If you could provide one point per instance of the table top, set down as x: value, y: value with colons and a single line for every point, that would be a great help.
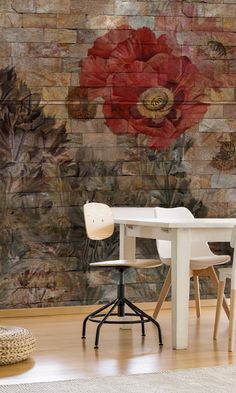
x: 177, y: 223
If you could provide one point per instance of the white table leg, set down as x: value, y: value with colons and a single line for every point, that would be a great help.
x: 127, y: 245
x: 127, y: 251
x: 180, y: 251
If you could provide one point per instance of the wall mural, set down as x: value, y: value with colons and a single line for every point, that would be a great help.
x: 142, y: 96
x: 147, y: 88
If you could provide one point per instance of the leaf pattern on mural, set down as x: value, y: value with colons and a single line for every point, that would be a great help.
x: 32, y: 209
x: 44, y: 249
x: 173, y: 186
x: 32, y: 152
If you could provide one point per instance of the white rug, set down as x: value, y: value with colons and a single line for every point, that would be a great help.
x: 221, y: 379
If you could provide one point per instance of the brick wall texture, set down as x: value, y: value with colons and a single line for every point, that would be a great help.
x: 127, y: 102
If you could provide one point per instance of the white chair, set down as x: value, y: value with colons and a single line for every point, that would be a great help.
x: 99, y: 223
x: 225, y: 273
x: 201, y: 264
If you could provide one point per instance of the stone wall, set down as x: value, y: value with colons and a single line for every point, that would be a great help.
x: 121, y: 101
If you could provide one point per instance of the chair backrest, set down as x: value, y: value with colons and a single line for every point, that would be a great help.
x: 164, y: 246
x: 133, y: 212
x: 233, y: 245
x: 99, y: 221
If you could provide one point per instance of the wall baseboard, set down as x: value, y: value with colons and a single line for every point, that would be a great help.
x: 66, y: 310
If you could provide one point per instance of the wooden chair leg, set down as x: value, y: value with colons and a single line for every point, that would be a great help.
x: 220, y: 296
x: 232, y: 319
x: 164, y: 291
x: 214, y: 279
x: 197, y: 294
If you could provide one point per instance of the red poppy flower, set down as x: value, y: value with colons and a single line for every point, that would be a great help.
x: 146, y: 88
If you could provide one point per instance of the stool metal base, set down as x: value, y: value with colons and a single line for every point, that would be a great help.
x: 99, y: 317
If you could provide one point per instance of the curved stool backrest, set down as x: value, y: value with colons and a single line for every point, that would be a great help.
x: 99, y: 221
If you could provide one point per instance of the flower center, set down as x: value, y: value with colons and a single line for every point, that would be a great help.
x: 155, y: 102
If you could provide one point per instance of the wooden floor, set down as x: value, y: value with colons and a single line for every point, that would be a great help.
x: 61, y: 354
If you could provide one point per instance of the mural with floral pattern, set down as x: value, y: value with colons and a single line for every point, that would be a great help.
x: 131, y: 109
x: 146, y: 87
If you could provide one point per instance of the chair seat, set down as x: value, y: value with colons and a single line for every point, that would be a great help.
x: 205, y: 262
x: 225, y: 273
x: 137, y: 263
x: 198, y: 263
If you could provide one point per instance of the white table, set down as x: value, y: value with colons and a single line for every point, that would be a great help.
x: 181, y: 233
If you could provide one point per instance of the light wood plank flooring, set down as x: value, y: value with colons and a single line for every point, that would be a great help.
x: 61, y: 354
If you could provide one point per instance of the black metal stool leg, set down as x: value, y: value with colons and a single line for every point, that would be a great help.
x: 101, y: 323
x: 93, y: 314
x: 143, y: 326
x: 131, y: 305
x: 140, y: 316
